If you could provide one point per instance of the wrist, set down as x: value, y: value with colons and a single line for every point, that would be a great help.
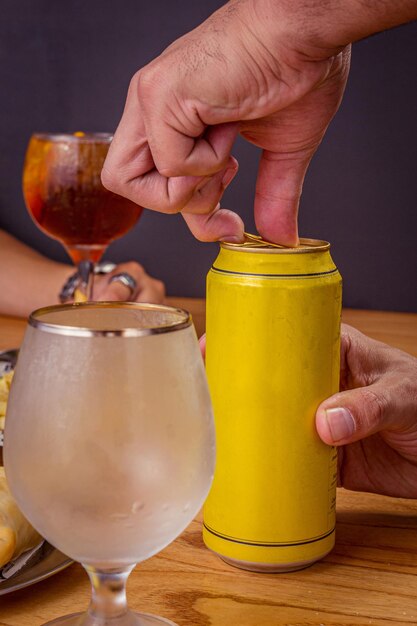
x: 291, y: 33
x: 73, y: 280
x: 324, y: 29
x: 58, y: 275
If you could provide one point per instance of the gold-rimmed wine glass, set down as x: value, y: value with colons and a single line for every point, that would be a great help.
x: 66, y: 199
x: 109, y: 440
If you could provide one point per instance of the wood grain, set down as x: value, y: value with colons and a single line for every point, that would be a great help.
x: 397, y: 329
x: 369, y: 578
x: 11, y: 332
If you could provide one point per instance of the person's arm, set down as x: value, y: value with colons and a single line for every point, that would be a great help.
x: 29, y: 280
x: 273, y: 70
x: 336, y: 23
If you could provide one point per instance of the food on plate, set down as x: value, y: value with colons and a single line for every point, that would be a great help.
x: 5, y: 382
x: 16, y: 534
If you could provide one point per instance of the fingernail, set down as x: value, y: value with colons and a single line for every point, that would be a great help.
x: 341, y: 423
x: 229, y: 176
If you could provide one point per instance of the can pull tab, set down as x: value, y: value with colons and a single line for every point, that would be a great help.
x: 256, y: 241
x: 260, y: 242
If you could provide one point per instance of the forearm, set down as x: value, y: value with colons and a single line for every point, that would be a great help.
x: 28, y: 280
x: 329, y: 25
x: 372, y: 16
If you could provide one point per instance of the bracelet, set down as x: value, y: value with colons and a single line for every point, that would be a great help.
x: 67, y: 292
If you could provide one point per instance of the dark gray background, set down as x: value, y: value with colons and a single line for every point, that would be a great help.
x: 66, y: 66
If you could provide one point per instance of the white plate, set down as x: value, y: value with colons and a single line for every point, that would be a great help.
x: 48, y: 561
x: 8, y: 360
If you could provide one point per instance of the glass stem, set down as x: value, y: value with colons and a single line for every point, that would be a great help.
x: 108, y: 600
x: 85, y: 289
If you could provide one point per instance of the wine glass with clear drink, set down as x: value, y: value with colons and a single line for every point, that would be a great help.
x: 66, y: 199
x: 109, y: 440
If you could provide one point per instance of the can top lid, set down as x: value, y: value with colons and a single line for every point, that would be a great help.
x: 255, y: 243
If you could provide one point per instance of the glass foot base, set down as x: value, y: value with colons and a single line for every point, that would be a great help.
x: 130, y: 619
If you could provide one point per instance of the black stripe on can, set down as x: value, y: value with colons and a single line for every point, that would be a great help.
x: 312, y: 275
x: 269, y: 544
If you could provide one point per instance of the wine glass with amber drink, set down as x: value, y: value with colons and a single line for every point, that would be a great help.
x: 66, y: 199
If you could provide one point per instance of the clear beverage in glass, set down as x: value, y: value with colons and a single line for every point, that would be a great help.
x: 109, y: 440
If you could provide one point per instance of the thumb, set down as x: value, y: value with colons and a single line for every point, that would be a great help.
x: 353, y: 415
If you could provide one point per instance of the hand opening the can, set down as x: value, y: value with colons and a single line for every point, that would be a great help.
x: 374, y: 417
x: 273, y: 70
x: 239, y: 71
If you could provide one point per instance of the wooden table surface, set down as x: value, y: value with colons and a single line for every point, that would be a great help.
x: 369, y: 578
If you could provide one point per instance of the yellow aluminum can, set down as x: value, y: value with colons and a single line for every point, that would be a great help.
x: 272, y: 356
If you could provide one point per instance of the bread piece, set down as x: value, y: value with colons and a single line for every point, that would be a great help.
x: 5, y: 382
x: 16, y: 534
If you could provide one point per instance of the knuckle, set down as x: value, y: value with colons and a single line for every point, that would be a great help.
x: 204, y: 237
x: 135, y: 268
x: 145, y: 81
x: 173, y: 208
x: 109, y: 179
x: 160, y: 287
x: 130, y: 266
x: 375, y: 407
x: 113, y: 292
x: 407, y: 381
x: 136, y: 81
x: 201, y: 232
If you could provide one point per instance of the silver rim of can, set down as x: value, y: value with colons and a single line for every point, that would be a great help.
x: 255, y: 243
